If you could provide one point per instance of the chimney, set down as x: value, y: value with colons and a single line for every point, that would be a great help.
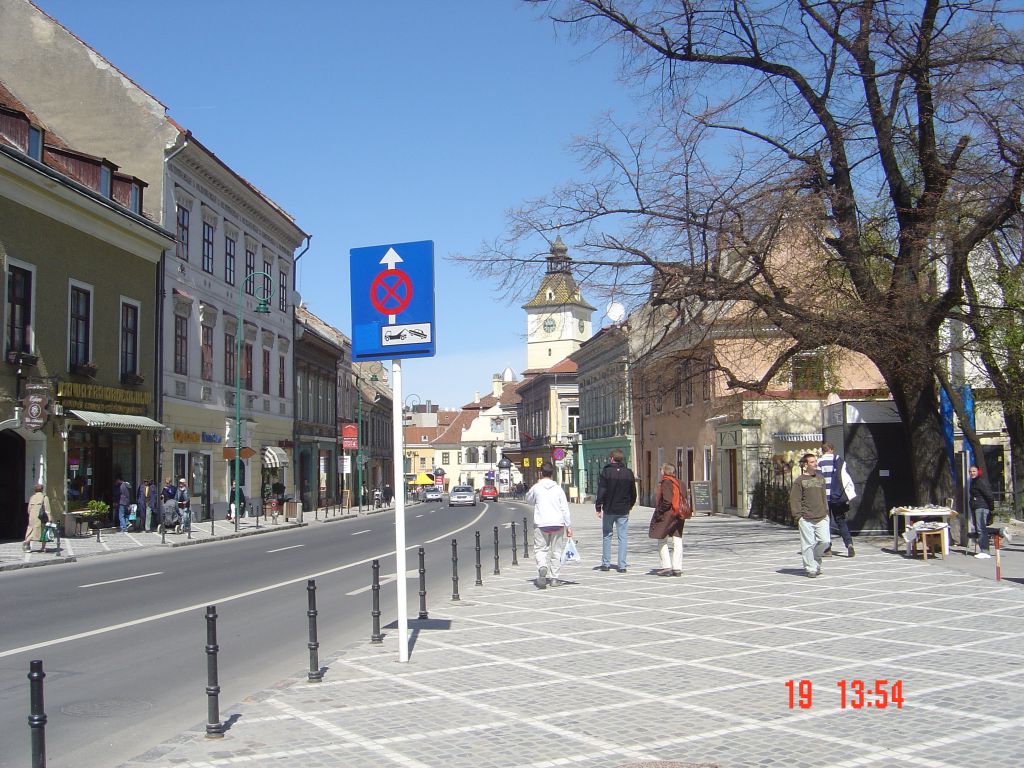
x: 476, y: 397
x: 496, y: 385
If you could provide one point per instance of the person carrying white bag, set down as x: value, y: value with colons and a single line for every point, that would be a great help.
x: 551, y: 524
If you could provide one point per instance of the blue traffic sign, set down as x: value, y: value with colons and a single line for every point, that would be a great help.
x: 392, y: 301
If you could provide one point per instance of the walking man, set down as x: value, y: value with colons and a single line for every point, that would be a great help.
x: 123, y: 493
x: 616, y: 496
x: 551, y: 524
x: 981, y: 502
x: 840, y: 492
x: 231, y: 502
x: 184, y: 500
x: 37, y: 516
x: 809, y: 507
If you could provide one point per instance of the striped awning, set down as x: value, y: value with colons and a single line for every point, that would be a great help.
x: 797, y: 437
x: 274, y: 457
x: 116, y: 420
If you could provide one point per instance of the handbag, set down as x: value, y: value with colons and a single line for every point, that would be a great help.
x: 43, y: 517
x: 133, y: 512
x: 571, y: 553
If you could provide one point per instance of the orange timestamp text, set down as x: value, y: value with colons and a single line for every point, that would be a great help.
x: 853, y: 694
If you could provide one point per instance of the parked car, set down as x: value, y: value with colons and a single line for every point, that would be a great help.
x: 433, y: 494
x: 462, y: 494
x: 488, y: 493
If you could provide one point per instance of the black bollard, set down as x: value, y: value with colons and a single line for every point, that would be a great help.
x: 526, y: 549
x: 163, y: 532
x: 479, y: 580
x: 515, y: 560
x: 37, y: 717
x: 423, y: 587
x: 214, y: 727
x: 455, y: 569
x: 97, y: 533
x: 376, y: 637
x: 57, y: 533
x: 497, y: 570
x: 257, y: 516
x: 315, y: 675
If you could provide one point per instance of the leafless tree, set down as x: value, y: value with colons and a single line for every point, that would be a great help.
x: 829, y: 165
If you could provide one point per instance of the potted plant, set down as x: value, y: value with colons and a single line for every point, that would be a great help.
x: 133, y: 379
x: 96, y: 511
x: 85, y: 369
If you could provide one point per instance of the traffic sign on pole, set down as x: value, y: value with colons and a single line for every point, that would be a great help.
x: 392, y: 301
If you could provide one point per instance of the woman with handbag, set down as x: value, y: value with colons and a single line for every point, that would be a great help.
x: 671, y: 510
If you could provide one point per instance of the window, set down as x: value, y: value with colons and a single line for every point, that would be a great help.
x: 105, y: 180
x: 267, y: 267
x: 706, y: 378
x: 129, y: 338
x: 229, y: 260
x: 229, y: 359
x: 183, y: 233
x: 81, y: 316
x: 280, y: 377
x: 282, y: 291
x: 513, y: 429
x: 19, y: 309
x: 266, y: 371
x: 207, y: 247
x: 207, y: 353
x: 181, y: 345
x: 423, y: 462
x: 574, y: 419
x: 250, y: 270
x: 135, y: 197
x: 677, y: 396
x: 645, y: 394
x: 809, y: 372
x: 247, y: 366
x: 445, y: 456
x: 35, y: 143
x: 688, y: 381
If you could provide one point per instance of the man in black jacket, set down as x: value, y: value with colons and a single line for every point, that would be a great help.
x: 981, y: 500
x: 616, y: 496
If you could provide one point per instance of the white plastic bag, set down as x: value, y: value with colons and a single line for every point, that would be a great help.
x: 571, y: 553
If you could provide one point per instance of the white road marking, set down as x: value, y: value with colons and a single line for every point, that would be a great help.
x: 218, y: 600
x: 357, y: 533
x: 282, y: 549
x: 419, y: 515
x: 385, y: 579
x: 115, y: 581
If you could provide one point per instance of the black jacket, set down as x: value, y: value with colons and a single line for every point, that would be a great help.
x: 616, y: 490
x: 981, y: 494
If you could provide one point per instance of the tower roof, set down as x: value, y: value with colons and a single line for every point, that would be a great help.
x: 558, y: 288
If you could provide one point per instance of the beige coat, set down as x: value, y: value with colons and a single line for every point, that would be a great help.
x: 34, y: 532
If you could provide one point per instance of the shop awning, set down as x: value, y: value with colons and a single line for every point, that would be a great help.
x: 274, y: 457
x: 246, y: 452
x: 116, y: 420
x: 423, y: 479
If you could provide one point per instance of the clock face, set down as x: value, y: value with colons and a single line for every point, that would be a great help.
x: 549, y: 325
x: 582, y: 325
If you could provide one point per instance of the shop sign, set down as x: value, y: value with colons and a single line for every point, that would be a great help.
x: 285, y: 444
x: 35, y: 403
x: 184, y: 436
x: 211, y: 437
x: 350, y: 437
x: 96, y: 397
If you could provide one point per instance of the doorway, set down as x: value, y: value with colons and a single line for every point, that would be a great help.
x: 14, y: 518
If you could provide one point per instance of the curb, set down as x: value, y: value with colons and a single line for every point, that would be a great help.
x: 39, y: 563
x: 229, y: 536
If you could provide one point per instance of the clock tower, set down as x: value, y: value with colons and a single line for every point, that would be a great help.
x: 557, y: 317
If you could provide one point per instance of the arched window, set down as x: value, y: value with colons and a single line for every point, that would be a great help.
x: 473, y: 455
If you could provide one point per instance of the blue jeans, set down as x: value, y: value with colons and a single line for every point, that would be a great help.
x: 122, y: 517
x: 620, y: 523
x: 814, y: 540
x: 980, y: 518
x: 839, y: 511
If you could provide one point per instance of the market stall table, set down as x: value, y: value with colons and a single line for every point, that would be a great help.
x: 909, y: 514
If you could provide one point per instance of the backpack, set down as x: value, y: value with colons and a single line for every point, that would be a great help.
x: 836, y: 491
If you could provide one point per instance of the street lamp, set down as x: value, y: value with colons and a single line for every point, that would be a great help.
x: 262, y: 308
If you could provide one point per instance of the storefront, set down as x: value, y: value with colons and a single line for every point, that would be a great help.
x: 317, y: 472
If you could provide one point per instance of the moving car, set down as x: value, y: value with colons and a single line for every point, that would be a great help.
x: 461, y: 494
x: 488, y: 492
x: 432, y: 494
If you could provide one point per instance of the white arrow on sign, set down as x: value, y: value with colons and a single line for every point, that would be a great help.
x: 390, y: 259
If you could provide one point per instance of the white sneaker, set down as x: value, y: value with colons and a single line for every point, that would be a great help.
x: 983, y: 556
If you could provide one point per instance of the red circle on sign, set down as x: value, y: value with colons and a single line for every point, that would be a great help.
x: 391, y: 292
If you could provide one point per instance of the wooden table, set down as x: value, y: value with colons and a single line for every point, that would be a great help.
x: 909, y: 514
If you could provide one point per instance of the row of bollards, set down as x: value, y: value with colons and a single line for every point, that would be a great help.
x: 214, y: 726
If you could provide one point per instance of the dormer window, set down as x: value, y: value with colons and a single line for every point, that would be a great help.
x: 35, y: 143
x: 105, y: 180
x: 135, y: 198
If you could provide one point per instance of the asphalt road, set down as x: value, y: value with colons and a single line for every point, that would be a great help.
x: 122, y: 637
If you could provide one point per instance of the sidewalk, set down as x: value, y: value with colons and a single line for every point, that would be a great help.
x: 626, y: 669
x: 113, y: 541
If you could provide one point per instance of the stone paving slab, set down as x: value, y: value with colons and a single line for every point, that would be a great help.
x: 635, y: 669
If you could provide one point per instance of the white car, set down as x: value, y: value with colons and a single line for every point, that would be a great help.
x: 462, y: 494
x: 433, y: 494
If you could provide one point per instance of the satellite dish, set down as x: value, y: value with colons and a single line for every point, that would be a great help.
x: 615, y: 312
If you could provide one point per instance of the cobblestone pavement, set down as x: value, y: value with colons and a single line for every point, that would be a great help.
x: 625, y: 669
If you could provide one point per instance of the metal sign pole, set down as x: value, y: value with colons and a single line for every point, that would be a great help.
x: 396, y: 417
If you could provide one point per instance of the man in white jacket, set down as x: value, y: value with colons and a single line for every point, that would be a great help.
x: 551, y: 524
x: 839, y: 492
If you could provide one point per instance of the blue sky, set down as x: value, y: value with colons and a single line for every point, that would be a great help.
x: 377, y: 122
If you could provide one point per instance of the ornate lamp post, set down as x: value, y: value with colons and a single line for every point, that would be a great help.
x: 262, y: 308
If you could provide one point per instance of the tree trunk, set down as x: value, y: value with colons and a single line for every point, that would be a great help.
x: 1014, y: 417
x: 916, y: 401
